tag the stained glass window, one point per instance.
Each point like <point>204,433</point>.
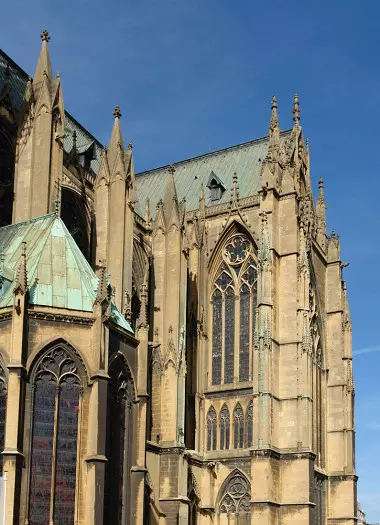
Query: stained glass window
<point>217,338</point>
<point>244,333</point>
<point>249,424</point>
<point>67,435</point>
<point>224,423</point>
<point>118,443</point>
<point>3,407</point>
<point>57,390</point>
<point>238,427</point>
<point>229,338</point>
<point>211,429</point>
<point>235,497</point>
<point>234,302</point>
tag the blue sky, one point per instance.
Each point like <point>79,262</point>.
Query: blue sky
<point>195,76</point>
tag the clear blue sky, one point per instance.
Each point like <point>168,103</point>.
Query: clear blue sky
<point>192,76</point>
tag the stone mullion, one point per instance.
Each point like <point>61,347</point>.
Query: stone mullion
<point>237,337</point>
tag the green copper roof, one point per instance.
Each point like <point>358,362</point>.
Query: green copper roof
<point>57,271</point>
<point>244,159</point>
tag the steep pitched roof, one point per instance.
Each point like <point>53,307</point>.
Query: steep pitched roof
<point>57,271</point>
<point>244,159</point>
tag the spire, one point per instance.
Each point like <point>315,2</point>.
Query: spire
<point>21,282</point>
<point>274,134</point>
<point>202,198</point>
<point>296,111</point>
<point>44,63</point>
<point>116,141</point>
<point>170,196</point>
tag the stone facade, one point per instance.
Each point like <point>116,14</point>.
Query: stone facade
<point>210,379</point>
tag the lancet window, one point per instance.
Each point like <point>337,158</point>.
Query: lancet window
<point>3,408</point>
<point>235,498</point>
<point>211,429</point>
<point>234,299</point>
<point>249,425</point>
<point>118,443</point>
<point>224,424</point>
<point>238,427</point>
<point>57,388</point>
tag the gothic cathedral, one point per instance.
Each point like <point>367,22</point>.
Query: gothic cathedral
<point>175,345</point>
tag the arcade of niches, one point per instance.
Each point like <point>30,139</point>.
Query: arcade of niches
<point>175,345</point>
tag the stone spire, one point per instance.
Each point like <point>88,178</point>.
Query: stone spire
<point>116,142</point>
<point>21,281</point>
<point>296,111</point>
<point>274,133</point>
<point>170,203</point>
<point>44,64</point>
<point>147,212</point>
<point>274,123</point>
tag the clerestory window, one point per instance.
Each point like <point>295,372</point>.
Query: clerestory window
<point>234,300</point>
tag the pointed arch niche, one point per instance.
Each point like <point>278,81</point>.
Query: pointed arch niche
<point>233,297</point>
<point>120,399</point>
<point>234,500</point>
<point>57,382</point>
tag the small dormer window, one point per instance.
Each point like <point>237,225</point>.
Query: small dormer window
<point>216,187</point>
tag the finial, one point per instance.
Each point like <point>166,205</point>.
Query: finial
<point>296,110</point>
<point>117,112</point>
<point>320,183</point>
<point>274,116</point>
<point>45,37</point>
<point>171,169</point>
<point>130,145</point>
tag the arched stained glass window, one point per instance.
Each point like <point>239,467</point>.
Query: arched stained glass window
<point>224,423</point>
<point>249,424</point>
<point>57,392</point>
<point>234,301</point>
<point>238,427</point>
<point>217,337</point>
<point>3,408</point>
<point>118,443</point>
<point>235,497</point>
<point>211,429</point>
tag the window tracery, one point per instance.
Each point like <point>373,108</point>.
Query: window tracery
<point>57,390</point>
<point>238,427</point>
<point>236,496</point>
<point>224,423</point>
<point>211,429</point>
<point>234,300</point>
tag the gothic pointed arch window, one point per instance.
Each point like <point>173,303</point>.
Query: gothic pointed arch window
<point>3,408</point>
<point>234,300</point>
<point>249,425</point>
<point>238,426</point>
<point>235,498</point>
<point>74,216</point>
<point>211,429</point>
<point>57,393</point>
<point>224,425</point>
<point>120,398</point>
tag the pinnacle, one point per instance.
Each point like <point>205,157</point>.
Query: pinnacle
<point>296,110</point>
<point>44,65</point>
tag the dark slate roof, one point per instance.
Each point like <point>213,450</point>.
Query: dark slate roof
<point>245,159</point>
<point>18,79</point>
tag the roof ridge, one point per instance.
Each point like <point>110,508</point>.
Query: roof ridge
<point>34,219</point>
<point>208,154</point>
